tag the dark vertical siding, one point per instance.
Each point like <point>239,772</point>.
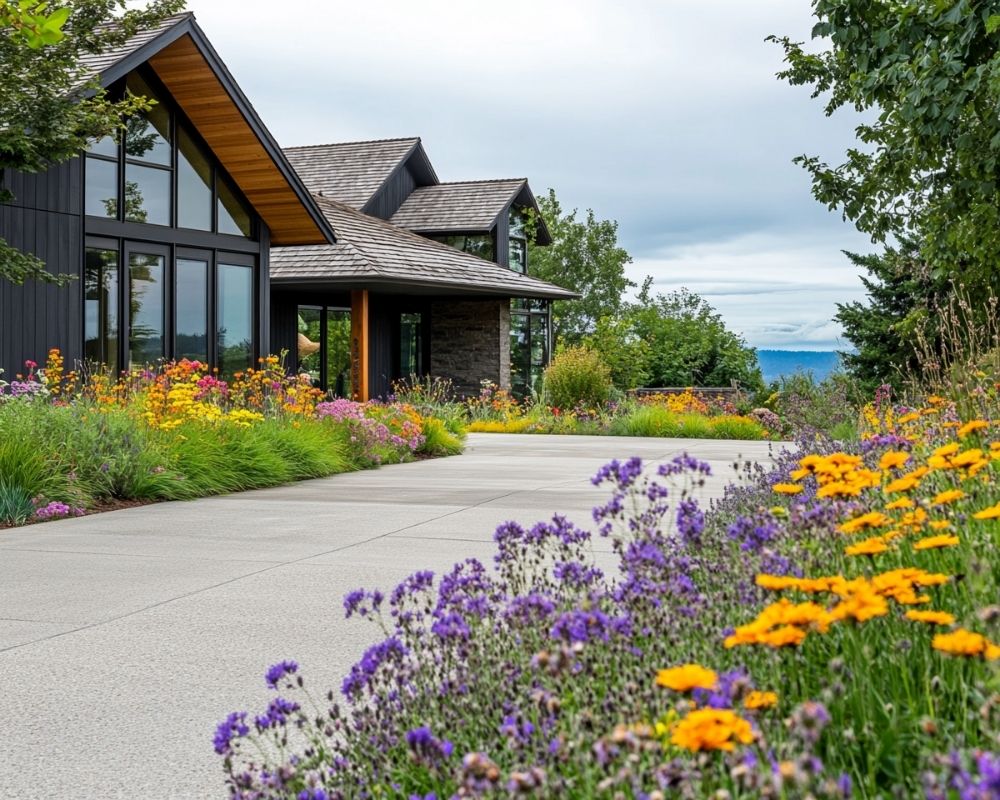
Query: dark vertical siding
<point>502,241</point>
<point>381,340</point>
<point>44,220</point>
<point>391,196</point>
<point>264,292</point>
<point>284,327</point>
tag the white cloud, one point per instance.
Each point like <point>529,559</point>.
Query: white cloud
<point>661,114</point>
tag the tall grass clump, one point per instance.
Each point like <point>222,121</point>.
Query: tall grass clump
<point>577,377</point>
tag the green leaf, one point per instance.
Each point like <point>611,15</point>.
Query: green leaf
<point>993,23</point>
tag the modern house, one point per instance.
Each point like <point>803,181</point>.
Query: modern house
<point>193,235</point>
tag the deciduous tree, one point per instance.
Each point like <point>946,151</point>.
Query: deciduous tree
<point>925,76</point>
<point>584,256</point>
<point>50,105</point>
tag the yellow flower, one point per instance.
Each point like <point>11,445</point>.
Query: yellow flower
<point>711,729</point>
<point>931,617</point>
<point>868,547</point>
<point>947,450</point>
<point>902,502</point>
<point>893,459</point>
<point>787,488</point>
<point>939,525</point>
<point>873,519</point>
<point>949,496</point>
<point>960,643</point>
<point>902,484</point>
<point>931,542</point>
<point>971,427</point>
<point>686,677</point>
<point>988,513</point>
<point>760,700</point>
<point>967,458</point>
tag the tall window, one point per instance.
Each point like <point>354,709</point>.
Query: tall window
<point>191,338</point>
<point>324,347</point>
<point>235,313</point>
<point>518,244</point>
<point>156,172</point>
<point>411,344</point>
<point>100,287</point>
<point>529,345</point>
<point>146,308</point>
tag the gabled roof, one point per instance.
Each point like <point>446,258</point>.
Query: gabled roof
<point>372,253</point>
<point>465,207</point>
<point>353,172</point>
<point>188,66</point>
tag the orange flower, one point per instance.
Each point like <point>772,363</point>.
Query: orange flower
<point>868,547</point>
<point>960,643</point>
<point>931,617</point>
<point>932,542</point>
<point>760,700</point>
<point>893,459</point>
<point>988,513</point>
<point>686,677</point>
<point>873,519</point>
<point>711,729</point>
<point>949,496</point>
<point>971,427</point>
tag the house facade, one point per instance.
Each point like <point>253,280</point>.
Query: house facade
<point>193,235</point>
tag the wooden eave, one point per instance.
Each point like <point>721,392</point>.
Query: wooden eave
<point>203,88</point>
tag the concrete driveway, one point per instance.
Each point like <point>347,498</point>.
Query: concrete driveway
<point>125,637</point>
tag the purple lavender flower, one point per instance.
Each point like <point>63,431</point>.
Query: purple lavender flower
<point>233,726</point>
<point>426,747</point>
<point>278,671</point>
<point>277,714</point>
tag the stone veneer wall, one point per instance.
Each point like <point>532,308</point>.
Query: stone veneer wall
<point>470,342</point>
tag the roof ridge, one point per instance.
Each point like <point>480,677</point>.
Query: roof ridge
<point>361,141</point>
<point>479,180</point>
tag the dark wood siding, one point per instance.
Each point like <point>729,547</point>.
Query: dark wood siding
<point>44,220</point>
<point>381,339</point>
<point>392,195</point>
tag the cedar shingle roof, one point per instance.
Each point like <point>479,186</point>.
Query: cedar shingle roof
<point>461,206</point>
<point>97,63</point>
<point>370,251</point>
<point>349,172</point>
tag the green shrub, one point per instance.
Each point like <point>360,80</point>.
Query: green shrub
<point>34,454</point>
<point>439,439</point>
<point>310,449</point>
<point>646,421</point>
<point>16,506</point>
<point>736,428</point>
<point>577,377</point>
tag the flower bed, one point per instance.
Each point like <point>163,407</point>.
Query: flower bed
<point>685,415</point>
<point>73,442</point>
<point>829,629</point>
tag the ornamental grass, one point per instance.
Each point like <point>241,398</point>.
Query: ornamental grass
<point>72,441</point>
<point>734,651</point>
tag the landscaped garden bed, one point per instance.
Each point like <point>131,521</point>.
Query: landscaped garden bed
<point>687,415</point>
<point>828,629</point>
<point>72,443</point>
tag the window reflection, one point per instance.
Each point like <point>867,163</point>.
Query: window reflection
<point>192,309</point>
<point>233,216</point>
<point>145,274</point>
<point>147,135</point>
<point>100,287</point>
<point>102,188</point>
<point>235,312</point>
<point>147,195</point>
<point>194,185</point>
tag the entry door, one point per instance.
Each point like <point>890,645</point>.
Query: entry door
<point>145,300</point>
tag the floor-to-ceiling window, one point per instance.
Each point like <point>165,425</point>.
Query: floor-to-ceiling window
<point>173,254</point>
<point>324,347</point>
<point>529,345</point>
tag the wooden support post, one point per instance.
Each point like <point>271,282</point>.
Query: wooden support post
<point>359,345</point>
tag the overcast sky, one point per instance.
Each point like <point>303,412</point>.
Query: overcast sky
<point>663,115</point>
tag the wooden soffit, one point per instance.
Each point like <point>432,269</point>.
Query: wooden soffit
<point>212,108</point>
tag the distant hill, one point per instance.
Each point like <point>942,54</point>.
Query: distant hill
<point>775,363</point>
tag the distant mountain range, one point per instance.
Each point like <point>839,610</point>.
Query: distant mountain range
<point>776,363</point>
